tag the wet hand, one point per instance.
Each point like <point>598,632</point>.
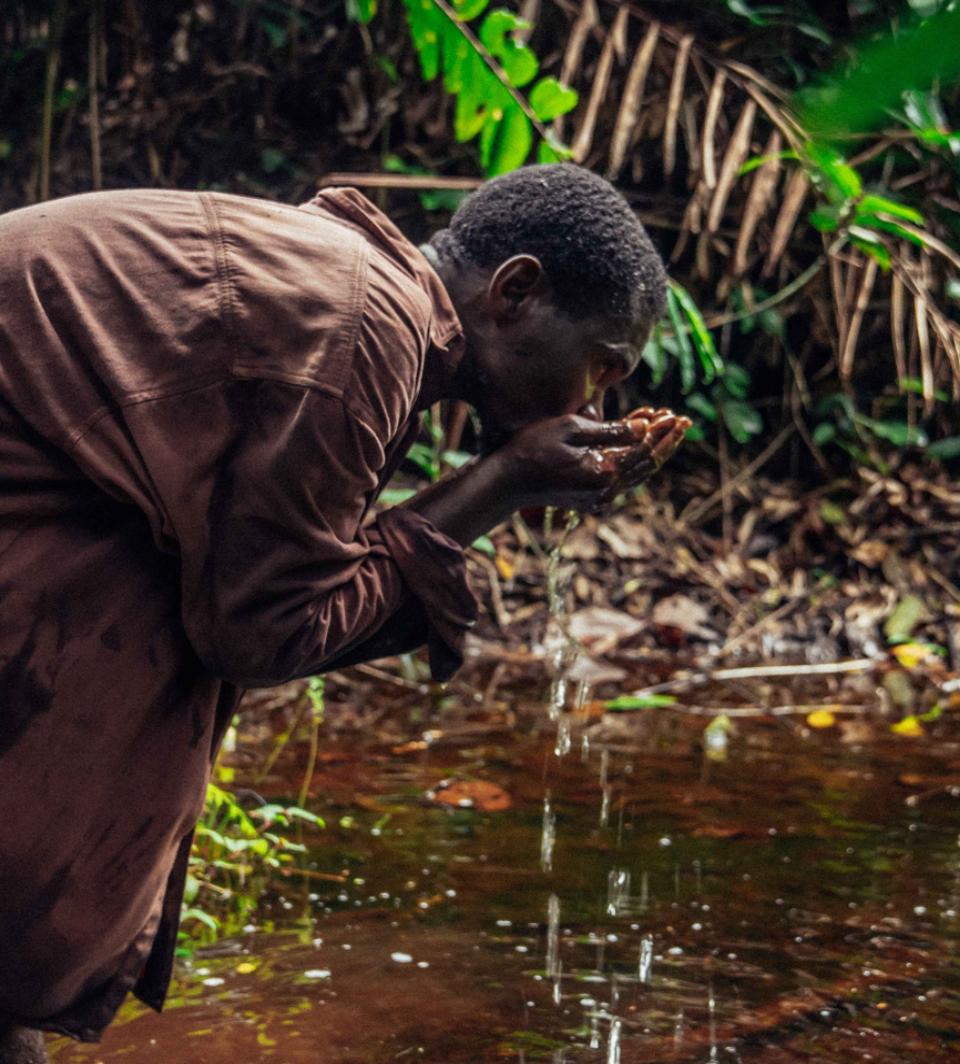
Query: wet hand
<point>582,464</point>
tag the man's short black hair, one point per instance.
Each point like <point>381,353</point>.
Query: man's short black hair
<point>596,254</point>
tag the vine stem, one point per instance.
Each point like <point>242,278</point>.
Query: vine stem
<point>493,66</point>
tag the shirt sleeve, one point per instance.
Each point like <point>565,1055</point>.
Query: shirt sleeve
<point>261,487</point>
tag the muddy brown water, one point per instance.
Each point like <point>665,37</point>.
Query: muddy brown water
<point>796,900</point>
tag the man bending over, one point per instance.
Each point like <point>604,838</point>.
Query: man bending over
<point>201,395</point>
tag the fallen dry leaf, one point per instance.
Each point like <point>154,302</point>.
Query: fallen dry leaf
<point>470,794</point>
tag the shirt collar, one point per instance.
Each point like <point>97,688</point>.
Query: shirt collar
<point>446,331</point>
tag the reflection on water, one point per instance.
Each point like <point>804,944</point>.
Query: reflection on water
<point>787,903</point>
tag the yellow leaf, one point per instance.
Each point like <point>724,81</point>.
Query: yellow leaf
<point>910,655</point>
<point>245,968</point>
<point>821,718</point>
<point>909,726</point>
<point>504,568</point>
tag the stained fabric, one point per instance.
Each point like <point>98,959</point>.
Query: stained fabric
<point>201,395</point>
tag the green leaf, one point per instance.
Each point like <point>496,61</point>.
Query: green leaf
<point>684,350</point>
<point>906,616</point>
<point>701,405</point>
<point>741,419</point>
<point>915,385</point>
<point>839,181</point>
<point>271,159</point>
<point>656,358</point>
<point>518,61</point>
<point>424,20</point>
<point>833,513</point>
<point>484,544</point>
<point>945,449</point>
<point>711,362</point>
<point>759,160</point>
<point>736,380</point>
<point>395,496</point>
<point>896,432</point>
<point>469,9</point>
<point>871,204</point>
<point>825,219</point>
<point>510,143</point>
<point>549,99</point>
<point>361,10</point>
<point>874,247</point>
<point>626,703</point>
<point>824,433</point>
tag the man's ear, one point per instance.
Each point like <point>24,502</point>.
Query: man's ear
<point>513,284</point>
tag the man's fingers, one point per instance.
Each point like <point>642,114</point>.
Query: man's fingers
<point>586,433</point>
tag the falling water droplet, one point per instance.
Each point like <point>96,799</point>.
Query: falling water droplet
<point>646,958</point>
<point>562,746</point>
<point>712,1011</point>
<point>678,1030</point>
<point>594,1030</point>
<point>604,787</point>
<point>553,936</point>
<point>584,747</point>
<point>618,890</point>
<point>548,836</point>
<point>613,1046</point>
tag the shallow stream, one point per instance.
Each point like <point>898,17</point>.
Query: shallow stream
<point>786,895</point>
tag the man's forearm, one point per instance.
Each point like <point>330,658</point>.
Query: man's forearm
<point>471,500</point>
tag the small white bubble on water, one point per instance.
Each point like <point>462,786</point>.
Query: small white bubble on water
<point>317,973</point>
<point>401,958</point>
<point>522,949</point>
<point>665,841</point>
<point>919,910</point>
<point>504,923</point>
<point>214,980</point>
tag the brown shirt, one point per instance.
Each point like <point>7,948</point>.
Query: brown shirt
<point>200,397</point>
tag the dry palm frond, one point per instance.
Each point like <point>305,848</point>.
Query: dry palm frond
<point>679,108</point>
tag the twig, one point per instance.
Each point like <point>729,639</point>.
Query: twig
<point>93,70</point>
<point>416,182</point>
<point>753,672</point>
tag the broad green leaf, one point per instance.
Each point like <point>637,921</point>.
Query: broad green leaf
<point>871,204</point>
<point>906,615</point>
<point>424,20</point>
<point>882,225</point>
<point>945,449</point>
<point>825,219</point>
<point>512,141</point>
<point>824,433</point>
<point>736,380</point>
<point>742,420</point>
<point>518,61</point>
<point>839,181</point>
<point>469,9</point>
<point>897,432</point>
<point>701,405</point>
<point>549,99</point>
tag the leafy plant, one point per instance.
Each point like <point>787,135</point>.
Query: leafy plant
<point>231,847</point>
<point>486,70</point>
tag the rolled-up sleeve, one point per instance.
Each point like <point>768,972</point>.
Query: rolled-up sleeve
<point>261,487</point>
